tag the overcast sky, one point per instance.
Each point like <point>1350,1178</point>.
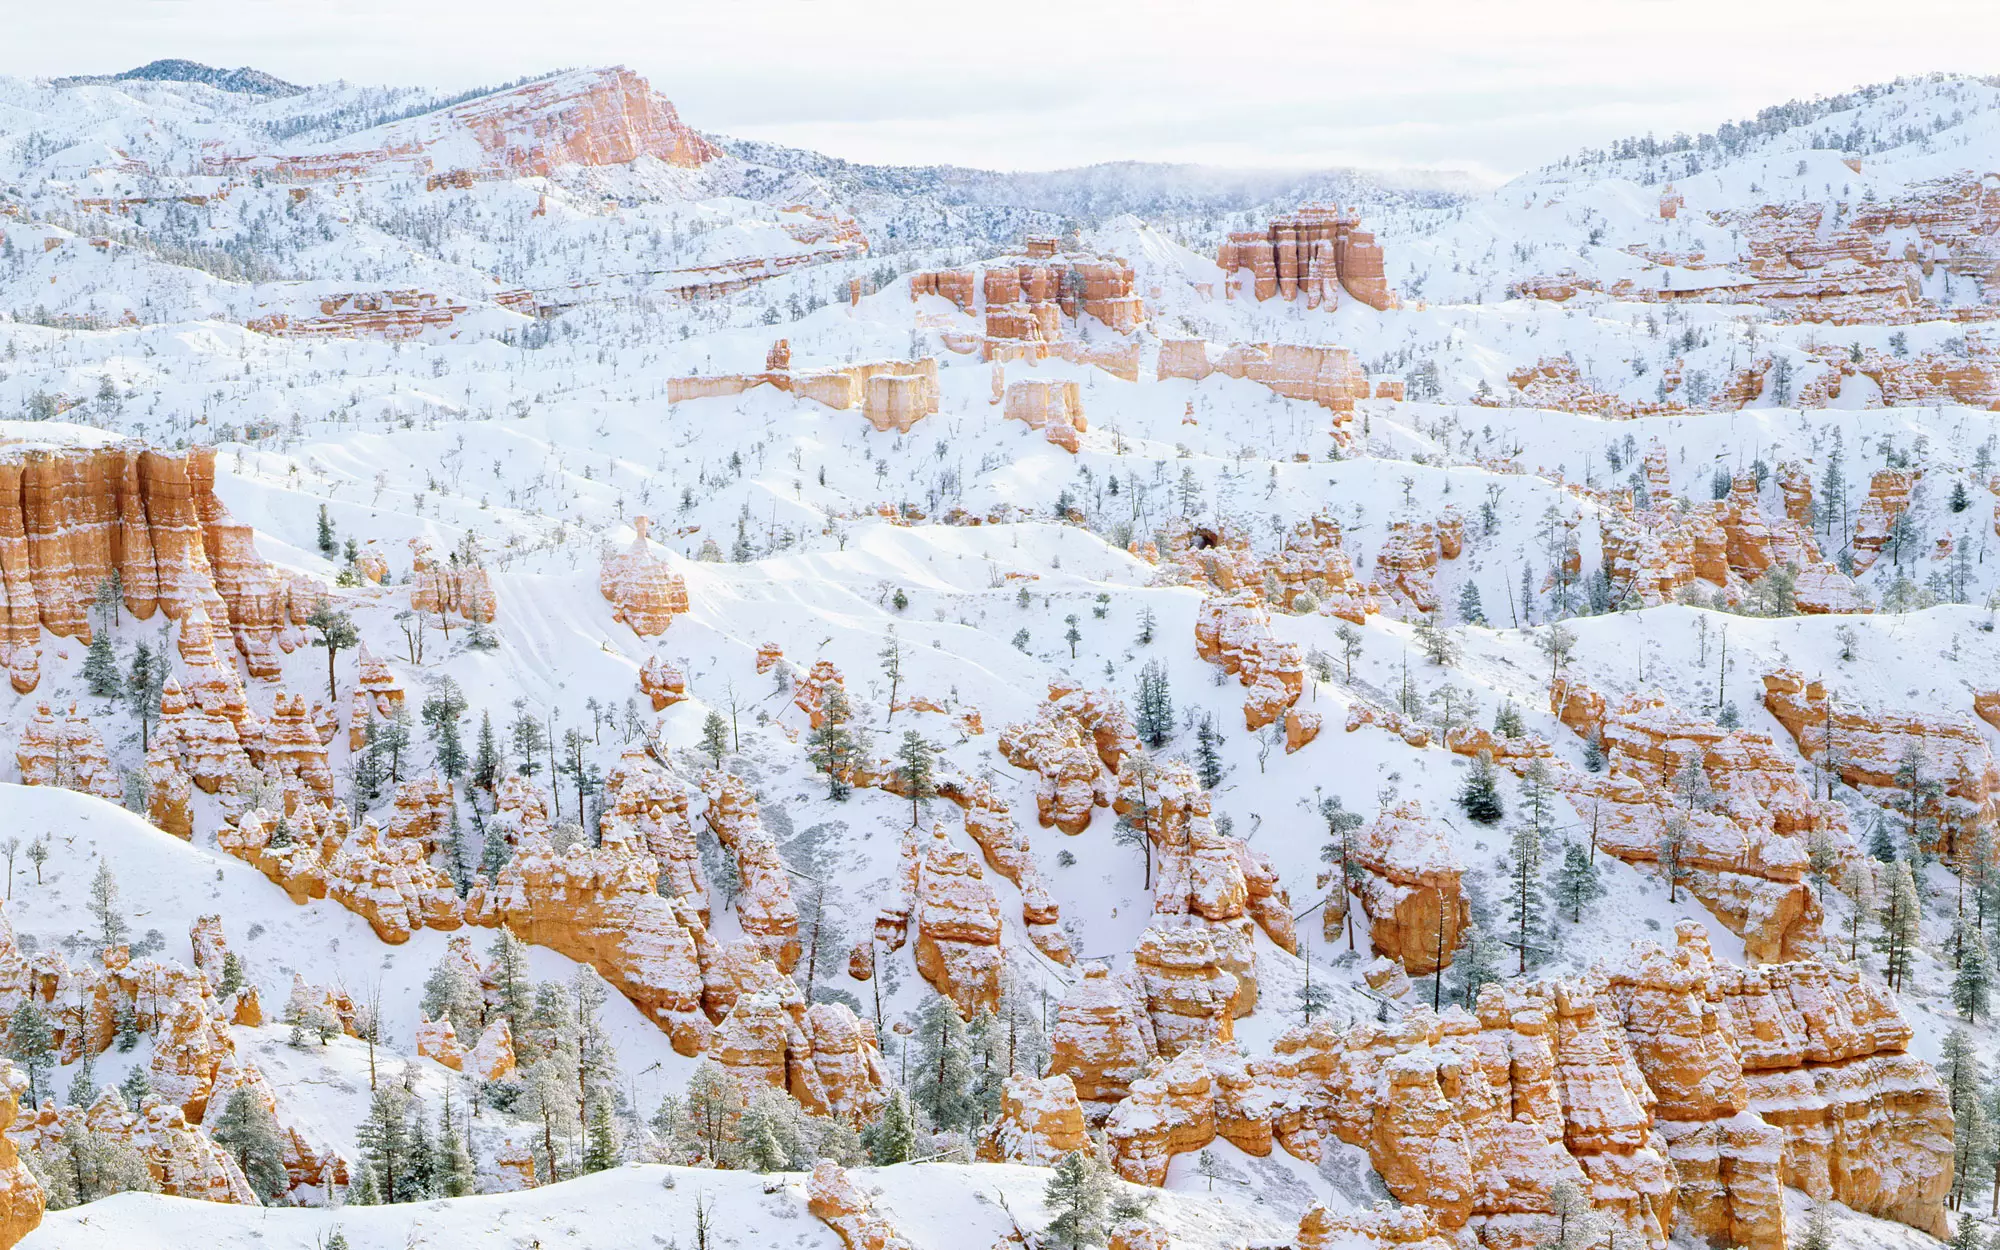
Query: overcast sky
<point>1489,86</point>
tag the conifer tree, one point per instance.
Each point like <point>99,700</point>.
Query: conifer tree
<point>1470,610</point>
<point>1153,714</point>
<point>916,768</point>
<point>1577,884</point>
<point>1480,795</point>
<point>1897,941</point>
<point>144,683</point>
<point>103,907</point>
<point>1971,984</point>
<point>1673,853</point>
<point>1965,1090</point>
<point>601,1151</point>
<point>715,737</point>
<point>943,1084</point>
<point>1078,1198</point>
<point>100,667</point>
<point>486,762</point>
<point>250,1134</point>
<point>1207,753</point>
<point>1524,876</point>
<point>457,1177</point>
<point>892,1138</point>
<point>329,546</point>
<point>384,1139</point>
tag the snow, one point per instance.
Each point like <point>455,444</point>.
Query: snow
<point>547,438</point>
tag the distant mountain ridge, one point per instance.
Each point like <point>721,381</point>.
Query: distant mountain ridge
<point>243,79</point>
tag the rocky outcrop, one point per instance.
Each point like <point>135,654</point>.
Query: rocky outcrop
<point>459,586</point>
<point>1022,303</point>
<point>1075,745</point>
<point>989,824</point>
<point>1412,1227</point>
<point>1102,1041</point>
<point>645,803</point>
<point>1190,996</point>
<point>73,513</point>
<point>826,1057</point>
<point>1743,854</point>
<point>1678,1095</point>
<point>182,1160</point>
<point>1957,786</point>
<point>21,1198</point>
<point>843,1206</point>
<point>66,751</point>
<point>1040,1122</point>
<point>1234,631</point>
<point>662,683</point>
<point>1409,556</point>
<point>1056,408</point>
<point>942,891</point>
<point>764,905</point>
<point>1315,253</point>
<point>601,906</point>
<point>1327,376</point>
<point>581,118</point>
<point>1410,889</point>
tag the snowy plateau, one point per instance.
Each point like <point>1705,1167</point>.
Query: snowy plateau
<point>575,682</point>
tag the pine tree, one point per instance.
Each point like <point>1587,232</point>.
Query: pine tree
<point>916,768</point>
<point>1470,610</point>
<point>1078,1198</point>
<point>1207,753</point>
<point>891,656</point>
<point>1593,752</point>
<point>1434,642</point>
<point>1673,848</point>
<point>250,1134</point>
<point>1525,879</point>
<point>1898,940</point>
<point>135,1088</point>
<point>144,683</point>
<point>450,994</point>
<point>1972,983</point>
<point>762,1148</point>
<point>1147,623</point>
<point>1507,720</point>
<point>1573,1222</point>
<point>457,1176</point>
<point>1819,1230</point>
<point>943,1085</point>
<point>494,854</point>
<point>711,1116</point>
<point>82,1082</point>
<point>715,737</point>
<point>833,748</point>
<point>336,633</point>
<point>328,545</point>
<point>103,907</point>
<point>893,1136</point>
<point>601,1151</point>
<point>1350,648</point>
<point>420,1177</point>
<point>1577,884</point>
<point>1965,1085</point>
<point>528,740</point>
<point>100,667</point>
<point>1480,795</point>
<point>486,764</point>
<point>1154,706</point>
<point>509,962</point>
<point>384,1140</point>
<point>232,975</point>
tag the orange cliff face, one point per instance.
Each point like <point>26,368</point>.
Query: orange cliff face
<point>583,118</point>
<point>1317,252</point>
<point>73,515</point>
<point>1022,303</point>
<point>1681,1095</point>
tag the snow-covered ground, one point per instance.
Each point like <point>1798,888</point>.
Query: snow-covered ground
<point>545,439</point>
